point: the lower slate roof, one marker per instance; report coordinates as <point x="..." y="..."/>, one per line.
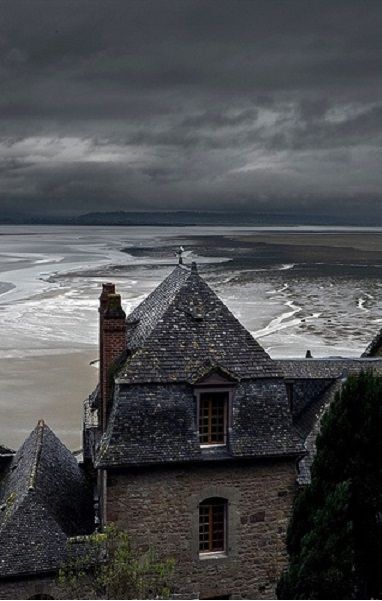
<point x="331" y="367"/>
<point x="44" y="499"/>
<point x="156" y="423"/>
<point x="310" y="426"/>
<point x="316" y="381"/>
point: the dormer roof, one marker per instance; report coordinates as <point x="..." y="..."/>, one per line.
<point x="215" y="376"/>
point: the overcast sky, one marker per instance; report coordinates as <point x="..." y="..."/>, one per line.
<point x="248" y="105"/>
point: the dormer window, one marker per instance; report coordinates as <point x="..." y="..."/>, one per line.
<point x="214" y="394"/>
<point x="213" y="422"/>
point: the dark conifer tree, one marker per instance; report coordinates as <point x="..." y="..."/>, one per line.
<point x="335" y="535"/>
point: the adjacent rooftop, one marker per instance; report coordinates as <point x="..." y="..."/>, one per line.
<point x="44" y="499"/>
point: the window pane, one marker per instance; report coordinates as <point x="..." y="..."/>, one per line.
<point x="213" y="418"/>
<point x="212" y="525"/>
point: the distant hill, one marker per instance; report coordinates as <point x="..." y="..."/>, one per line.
<point x="178" y="218"/>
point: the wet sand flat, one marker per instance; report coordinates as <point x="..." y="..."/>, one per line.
<point x="360" y="240"/>
<point x="300" y="247"/>
<point x="52" y="387"/>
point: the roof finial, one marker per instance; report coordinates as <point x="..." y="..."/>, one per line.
<point x="179" y="254"/>
<point x="194" y="267"/>
<point x="308" y="355"/>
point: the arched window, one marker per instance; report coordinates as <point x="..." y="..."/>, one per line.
<point x="213" y="525"/>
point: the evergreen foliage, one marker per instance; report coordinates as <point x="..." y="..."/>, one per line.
<point x="110" y="568"/>
<point x="335" y="535"/>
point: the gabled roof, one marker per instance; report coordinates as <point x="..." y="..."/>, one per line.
<point x="44" y="499"/>
<point x="183" y="328"/>
<point x="215" y="376"/>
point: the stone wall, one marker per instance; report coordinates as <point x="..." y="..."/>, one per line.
<point x="159" y="507"/>
<point x="29" y="588"/>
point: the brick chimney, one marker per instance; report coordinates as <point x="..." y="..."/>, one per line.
<point x="107" y="289"/>
<point x="112" y="343"/>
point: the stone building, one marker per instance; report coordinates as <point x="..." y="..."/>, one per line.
<point x="194" y="441"/>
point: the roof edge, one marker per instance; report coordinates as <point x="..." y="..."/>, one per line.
<point x="297" y="454"/>
<point x="39" y="442"/>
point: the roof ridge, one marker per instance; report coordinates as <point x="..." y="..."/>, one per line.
<point x="39" y="441"/>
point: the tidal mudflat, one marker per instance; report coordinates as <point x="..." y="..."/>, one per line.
<point x="294" y="289"/>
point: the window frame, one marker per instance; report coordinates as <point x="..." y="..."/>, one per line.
<point x="228" y="391"/>
<point x="211" y="552"/>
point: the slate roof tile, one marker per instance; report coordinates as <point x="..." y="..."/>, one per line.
<point x="143" y="319"/>
<point x="156" y="423"/>
<point x="44" y="499"/>
<point x="191" y="329"/>
<point x="328" y="368"/>
<point x="309" y="427"/>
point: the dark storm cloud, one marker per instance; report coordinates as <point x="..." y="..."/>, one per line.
<point x="261" y="105"/>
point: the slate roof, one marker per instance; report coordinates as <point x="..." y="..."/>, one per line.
<point x="143" y="319"/>
<point x="315" y="383"/>
<point x="44" y="499"/>
<point x="156" y="423"/>
<point x="177" y="335"/>
<point x="189" y="333"/>
<point x="331" y="367"/>
<point x="309" y="426"/>
<point x="191" y="329"/>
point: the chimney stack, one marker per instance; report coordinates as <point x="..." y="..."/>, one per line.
<point x="112" y="343"/>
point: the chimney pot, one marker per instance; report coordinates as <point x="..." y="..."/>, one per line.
<point x="113" y="308"/>
<point x="107" y="289"/>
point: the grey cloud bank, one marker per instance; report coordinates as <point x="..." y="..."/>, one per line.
<point x="230" y="105"/>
